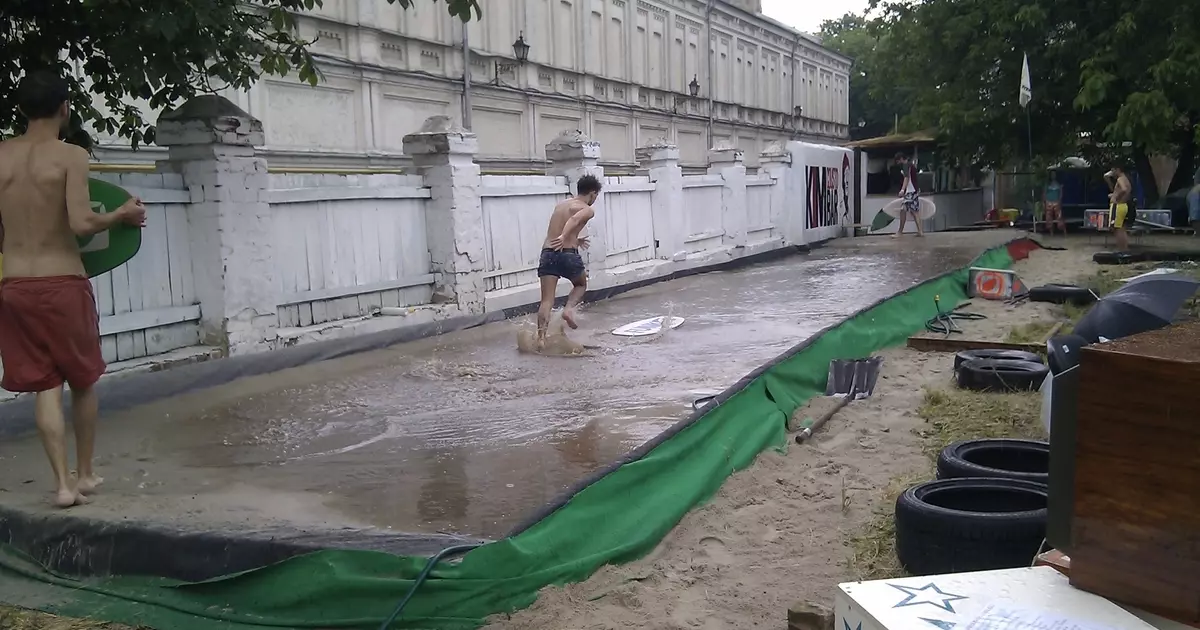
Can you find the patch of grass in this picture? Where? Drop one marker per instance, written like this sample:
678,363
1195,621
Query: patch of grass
873,548
21,619
1034,332
950,415
953,415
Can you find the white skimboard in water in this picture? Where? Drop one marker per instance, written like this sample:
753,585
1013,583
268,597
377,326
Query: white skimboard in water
896,207
647,327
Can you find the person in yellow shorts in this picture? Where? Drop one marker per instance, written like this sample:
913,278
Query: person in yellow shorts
1121,209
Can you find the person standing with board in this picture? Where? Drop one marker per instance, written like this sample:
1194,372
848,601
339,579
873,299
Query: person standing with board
49,327
910,191
560,253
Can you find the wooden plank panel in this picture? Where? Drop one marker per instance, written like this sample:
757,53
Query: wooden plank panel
159,295
954,344
125,346
320,312
102,288
120,290
369,237
314,251
108,348
1136,511
391,262
179,252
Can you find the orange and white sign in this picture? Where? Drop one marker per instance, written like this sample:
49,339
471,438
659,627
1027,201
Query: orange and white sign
994,284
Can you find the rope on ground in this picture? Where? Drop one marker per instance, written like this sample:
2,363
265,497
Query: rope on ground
946,323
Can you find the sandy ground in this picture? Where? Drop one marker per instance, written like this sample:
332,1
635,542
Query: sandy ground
776,534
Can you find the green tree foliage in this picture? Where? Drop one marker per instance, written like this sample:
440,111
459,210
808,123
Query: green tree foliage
876,103
1111,80
162,51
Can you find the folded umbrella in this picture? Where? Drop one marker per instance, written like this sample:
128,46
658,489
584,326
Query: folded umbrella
1146,303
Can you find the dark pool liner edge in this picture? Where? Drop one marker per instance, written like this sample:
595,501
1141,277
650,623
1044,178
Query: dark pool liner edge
85,547
645,449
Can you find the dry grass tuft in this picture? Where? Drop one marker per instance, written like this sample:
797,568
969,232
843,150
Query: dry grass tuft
951,415
21,619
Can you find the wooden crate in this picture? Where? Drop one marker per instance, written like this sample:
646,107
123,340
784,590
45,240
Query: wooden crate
1136,513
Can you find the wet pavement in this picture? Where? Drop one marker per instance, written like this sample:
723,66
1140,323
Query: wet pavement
461,433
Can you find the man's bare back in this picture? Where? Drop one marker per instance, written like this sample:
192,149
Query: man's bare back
34,195
556,238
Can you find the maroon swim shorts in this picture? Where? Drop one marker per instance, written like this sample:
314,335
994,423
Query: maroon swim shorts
49,333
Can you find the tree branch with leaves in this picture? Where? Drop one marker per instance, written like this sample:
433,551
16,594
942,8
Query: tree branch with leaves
163,52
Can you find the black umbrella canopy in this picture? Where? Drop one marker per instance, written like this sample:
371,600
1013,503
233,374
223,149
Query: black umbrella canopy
1143,304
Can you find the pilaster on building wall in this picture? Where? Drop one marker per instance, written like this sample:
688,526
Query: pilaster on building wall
231,217
619,70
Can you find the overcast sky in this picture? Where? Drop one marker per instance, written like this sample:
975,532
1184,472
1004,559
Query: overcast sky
807,16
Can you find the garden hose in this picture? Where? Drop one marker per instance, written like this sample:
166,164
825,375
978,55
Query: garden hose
945,322
424,575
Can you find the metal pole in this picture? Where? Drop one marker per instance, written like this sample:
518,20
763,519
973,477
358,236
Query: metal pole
466,98
1032,190
709,45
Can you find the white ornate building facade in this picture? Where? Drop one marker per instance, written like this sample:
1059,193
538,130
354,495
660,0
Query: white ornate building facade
622,71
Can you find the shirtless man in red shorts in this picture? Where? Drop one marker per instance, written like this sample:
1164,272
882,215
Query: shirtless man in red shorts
49,328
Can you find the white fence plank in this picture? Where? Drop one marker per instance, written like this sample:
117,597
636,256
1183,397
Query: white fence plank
148,305
760,219
337,256
516,211
703,221
628,220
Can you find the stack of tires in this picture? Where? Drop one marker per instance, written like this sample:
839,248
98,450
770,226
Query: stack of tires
986,510
999,370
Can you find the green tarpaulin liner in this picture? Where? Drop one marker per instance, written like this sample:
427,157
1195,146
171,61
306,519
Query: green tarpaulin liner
618,518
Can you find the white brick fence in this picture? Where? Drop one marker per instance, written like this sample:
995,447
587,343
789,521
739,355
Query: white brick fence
236,260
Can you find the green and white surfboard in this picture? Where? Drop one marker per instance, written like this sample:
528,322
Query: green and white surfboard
103,252
107,250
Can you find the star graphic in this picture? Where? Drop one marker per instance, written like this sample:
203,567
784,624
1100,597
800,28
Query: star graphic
847,625
944,625
928,594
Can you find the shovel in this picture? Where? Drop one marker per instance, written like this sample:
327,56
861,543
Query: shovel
849,379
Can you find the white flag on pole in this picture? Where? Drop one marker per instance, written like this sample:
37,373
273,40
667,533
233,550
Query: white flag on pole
1026,87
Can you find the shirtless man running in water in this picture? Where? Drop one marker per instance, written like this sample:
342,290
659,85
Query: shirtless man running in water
49,328
560,252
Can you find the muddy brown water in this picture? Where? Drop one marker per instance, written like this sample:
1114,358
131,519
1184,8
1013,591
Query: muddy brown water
462,433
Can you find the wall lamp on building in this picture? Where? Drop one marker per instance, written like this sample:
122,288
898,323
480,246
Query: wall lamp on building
693,90
797,115
520,51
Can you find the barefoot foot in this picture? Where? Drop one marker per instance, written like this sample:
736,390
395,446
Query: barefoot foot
569,317
88,485
69,498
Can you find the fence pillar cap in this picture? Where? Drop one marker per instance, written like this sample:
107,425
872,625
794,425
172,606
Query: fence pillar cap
208,119
725,153
658,150
440,135
572,145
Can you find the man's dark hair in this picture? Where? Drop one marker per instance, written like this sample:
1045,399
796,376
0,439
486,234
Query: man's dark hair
41,94
587,185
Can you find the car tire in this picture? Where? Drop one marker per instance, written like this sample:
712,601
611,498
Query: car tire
970,524
1001,375
1026,460
1062,294
1009,355
1118,258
